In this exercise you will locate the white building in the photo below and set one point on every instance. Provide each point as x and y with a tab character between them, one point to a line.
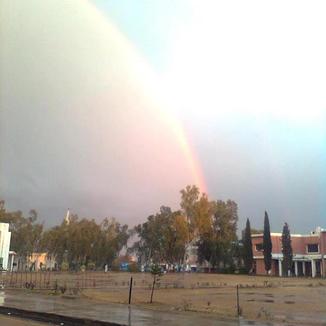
5	236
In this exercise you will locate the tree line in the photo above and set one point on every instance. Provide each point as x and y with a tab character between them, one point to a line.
81	243
267	247
207	226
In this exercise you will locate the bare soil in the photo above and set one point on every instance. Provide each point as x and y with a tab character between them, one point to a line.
290	300
294	300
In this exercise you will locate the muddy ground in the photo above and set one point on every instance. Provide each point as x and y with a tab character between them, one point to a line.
290	300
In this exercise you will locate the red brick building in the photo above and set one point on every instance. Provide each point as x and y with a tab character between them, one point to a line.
309	254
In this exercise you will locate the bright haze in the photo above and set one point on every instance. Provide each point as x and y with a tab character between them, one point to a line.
111	107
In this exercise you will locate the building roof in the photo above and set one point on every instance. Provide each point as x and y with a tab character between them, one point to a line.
315	233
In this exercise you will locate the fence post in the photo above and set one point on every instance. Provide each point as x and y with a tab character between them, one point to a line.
238	302
130	290
153	289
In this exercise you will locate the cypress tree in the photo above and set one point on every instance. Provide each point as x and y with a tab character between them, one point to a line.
247	248
267	245
286	249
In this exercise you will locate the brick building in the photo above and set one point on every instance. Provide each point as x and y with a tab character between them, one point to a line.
309	254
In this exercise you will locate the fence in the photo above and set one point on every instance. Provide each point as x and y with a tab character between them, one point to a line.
227	295
51	280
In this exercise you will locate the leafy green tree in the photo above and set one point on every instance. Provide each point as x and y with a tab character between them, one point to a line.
247	248
217	241
287	249
208	249
225	226
156	272
26	232
189	198
113	237
84	242
163	237
267	245
199	214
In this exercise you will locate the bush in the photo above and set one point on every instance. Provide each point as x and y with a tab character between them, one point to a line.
91	266
133	267
115	266
65	266
243	271
228	270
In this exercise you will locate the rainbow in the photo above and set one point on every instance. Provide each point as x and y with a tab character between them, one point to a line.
145	77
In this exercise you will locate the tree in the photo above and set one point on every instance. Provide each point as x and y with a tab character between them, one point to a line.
247	248
156	272
26	232
199	214
83	242
267	245
287	249
217	237
175	235
189	198
225	225
163	237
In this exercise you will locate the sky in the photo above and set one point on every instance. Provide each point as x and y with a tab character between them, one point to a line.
110	108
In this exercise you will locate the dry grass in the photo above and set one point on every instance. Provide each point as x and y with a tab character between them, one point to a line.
294	300
299	300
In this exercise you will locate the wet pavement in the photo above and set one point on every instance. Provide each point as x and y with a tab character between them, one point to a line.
117	313
12	321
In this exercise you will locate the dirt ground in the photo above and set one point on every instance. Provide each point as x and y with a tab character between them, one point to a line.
290	300
295	300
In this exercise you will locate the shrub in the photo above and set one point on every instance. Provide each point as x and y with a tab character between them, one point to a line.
133	267
65	266
91	266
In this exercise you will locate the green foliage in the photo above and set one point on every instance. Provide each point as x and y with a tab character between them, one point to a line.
65	266
115	266
86	242
26	232
133	267
156	269
287	249
81	242
247	248
91	266
156	272
211	225
163	237
267	244
218	243
189	199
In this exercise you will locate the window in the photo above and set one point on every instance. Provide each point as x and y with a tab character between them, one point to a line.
259	247
312	247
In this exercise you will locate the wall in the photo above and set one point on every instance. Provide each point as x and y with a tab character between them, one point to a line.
5	237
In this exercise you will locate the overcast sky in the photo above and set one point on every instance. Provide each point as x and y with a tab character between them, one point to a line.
111	107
